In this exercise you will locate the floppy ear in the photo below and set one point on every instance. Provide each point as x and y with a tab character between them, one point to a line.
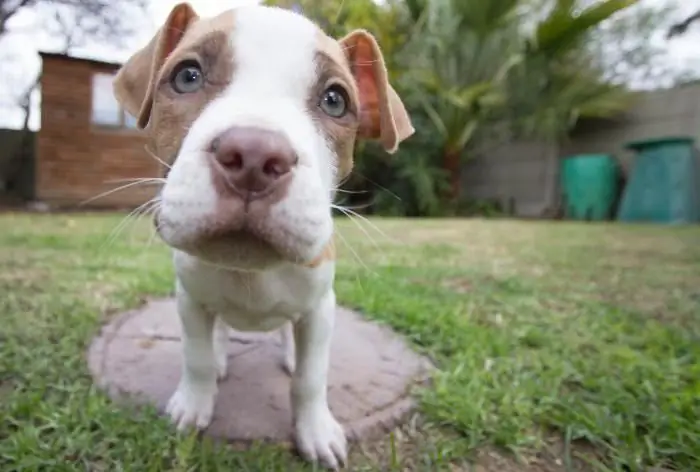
135	82
382	114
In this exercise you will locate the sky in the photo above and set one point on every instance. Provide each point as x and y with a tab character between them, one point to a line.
20	49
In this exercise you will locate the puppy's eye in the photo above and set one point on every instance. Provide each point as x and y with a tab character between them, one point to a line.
187	77
334	101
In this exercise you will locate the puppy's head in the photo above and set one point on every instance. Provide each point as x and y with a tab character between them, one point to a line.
257	112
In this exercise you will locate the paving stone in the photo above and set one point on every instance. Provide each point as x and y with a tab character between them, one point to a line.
138	357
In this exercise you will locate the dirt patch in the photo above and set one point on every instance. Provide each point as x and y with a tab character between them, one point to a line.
458	285
24	276
421	446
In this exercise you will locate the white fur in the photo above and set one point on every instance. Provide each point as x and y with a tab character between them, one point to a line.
243	283
275	70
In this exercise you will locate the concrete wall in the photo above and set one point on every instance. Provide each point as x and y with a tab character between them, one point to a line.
516	175
674	112
524	176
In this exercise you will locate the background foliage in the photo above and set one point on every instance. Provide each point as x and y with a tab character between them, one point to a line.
474	74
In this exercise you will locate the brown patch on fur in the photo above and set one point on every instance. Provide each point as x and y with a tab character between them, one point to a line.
143	87
133	85
375	110
144	81
174	113
382	114
328	254
333	68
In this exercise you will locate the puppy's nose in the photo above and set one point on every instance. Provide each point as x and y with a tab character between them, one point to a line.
253	160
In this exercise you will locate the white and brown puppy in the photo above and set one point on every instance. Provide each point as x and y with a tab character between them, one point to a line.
257	111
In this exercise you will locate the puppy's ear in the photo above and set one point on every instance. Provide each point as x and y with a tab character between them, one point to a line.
134	84
382	113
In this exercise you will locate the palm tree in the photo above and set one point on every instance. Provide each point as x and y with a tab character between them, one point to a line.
459	59
555	85
476	65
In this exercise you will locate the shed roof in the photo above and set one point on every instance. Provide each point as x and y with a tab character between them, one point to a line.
67	57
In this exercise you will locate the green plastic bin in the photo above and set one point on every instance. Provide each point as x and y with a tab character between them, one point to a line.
589	184
663	183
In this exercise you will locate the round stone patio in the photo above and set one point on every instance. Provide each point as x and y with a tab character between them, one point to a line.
372	370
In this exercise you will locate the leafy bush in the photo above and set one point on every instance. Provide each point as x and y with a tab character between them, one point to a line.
408	183
463	69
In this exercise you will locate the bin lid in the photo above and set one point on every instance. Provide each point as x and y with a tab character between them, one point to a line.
637	145
589	156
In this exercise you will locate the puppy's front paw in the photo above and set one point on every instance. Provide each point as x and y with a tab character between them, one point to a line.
320	438
191	407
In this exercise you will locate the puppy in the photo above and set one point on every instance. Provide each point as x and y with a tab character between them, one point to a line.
256	111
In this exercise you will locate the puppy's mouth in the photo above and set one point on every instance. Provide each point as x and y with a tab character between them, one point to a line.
217	229
242	238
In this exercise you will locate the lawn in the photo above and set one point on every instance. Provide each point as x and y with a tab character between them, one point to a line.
560	346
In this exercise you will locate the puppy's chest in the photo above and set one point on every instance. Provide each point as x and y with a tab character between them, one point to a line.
256	301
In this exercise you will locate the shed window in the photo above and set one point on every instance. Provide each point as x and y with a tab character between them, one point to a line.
106	111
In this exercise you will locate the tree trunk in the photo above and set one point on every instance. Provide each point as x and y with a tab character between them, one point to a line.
680	28
452	163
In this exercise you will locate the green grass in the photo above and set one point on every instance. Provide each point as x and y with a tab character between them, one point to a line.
560	346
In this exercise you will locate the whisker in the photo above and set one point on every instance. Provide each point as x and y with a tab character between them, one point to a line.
342	181
340	11
359	207
341	201
110	192
379	186
359	259
154	156
353	192
131	216
357	223
366	220
148	209
145	180
154	231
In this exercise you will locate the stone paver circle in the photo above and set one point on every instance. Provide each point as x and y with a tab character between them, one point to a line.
137	356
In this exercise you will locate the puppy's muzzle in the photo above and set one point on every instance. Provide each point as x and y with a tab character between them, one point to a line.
252	163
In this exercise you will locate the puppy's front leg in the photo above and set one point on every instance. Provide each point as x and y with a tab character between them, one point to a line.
221	332
318	435
192	404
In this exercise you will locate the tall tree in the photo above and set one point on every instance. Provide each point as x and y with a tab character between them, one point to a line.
681	27
620	48
70	24
335	17
482	63
92	19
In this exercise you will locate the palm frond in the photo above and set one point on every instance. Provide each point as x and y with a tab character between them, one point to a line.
564	28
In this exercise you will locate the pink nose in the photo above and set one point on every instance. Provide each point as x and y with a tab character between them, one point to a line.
253	160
